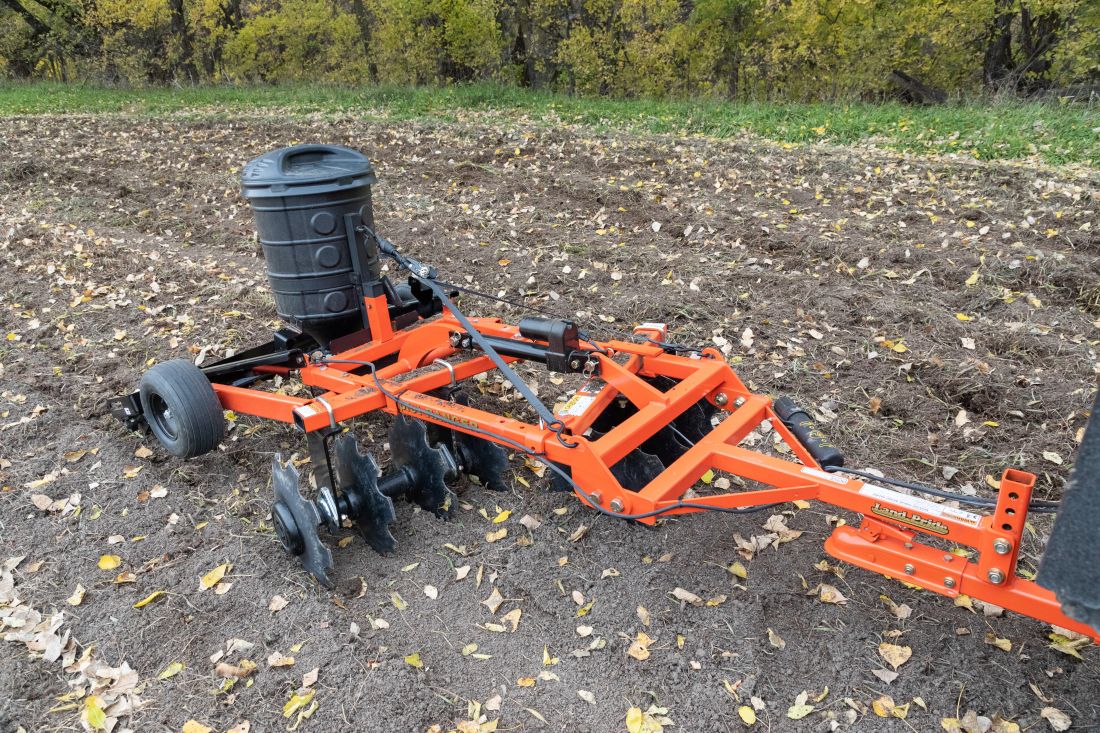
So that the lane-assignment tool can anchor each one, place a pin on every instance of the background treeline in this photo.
(755, 49)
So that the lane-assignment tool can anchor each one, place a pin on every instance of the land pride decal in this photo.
(915, 511)
(914, 519)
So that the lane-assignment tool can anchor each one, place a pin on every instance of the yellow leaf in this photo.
(963, 317)
(707, 477)
(171, 670)
(747, 715)
(502, 517)
(149, 599)
(526, 682)
(496, 536)
(634, 720)
(77, 597)
(297, 702)
(639, 648)
(738, 569)
(798, 712)
(413, 660)
(547, 660)
(194, 726)
(398, 602)
(894, 655)
(109, 562)
(93, 713)
(994, 640)
(214, 577)
(973, 279)
(469, 649)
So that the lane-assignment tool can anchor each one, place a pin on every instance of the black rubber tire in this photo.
(182, 409)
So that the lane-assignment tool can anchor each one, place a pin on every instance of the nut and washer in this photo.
(909, 569)
(1001, 546)
(595, 497)
(996, 576)
(721, 399)
(616, 505)
(949, 582)
(739, 401)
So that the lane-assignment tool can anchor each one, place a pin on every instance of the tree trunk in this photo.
(917, 90)
(997, 65)
(182, 34)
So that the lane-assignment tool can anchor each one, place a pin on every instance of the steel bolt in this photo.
(739, 401)
(1002, 546)
(996, 576)
(574, 363)
(908, 545)
(721, 399)
(949, 582)
(909, 569)
(948, 557)
(616, 505)
(595, 497)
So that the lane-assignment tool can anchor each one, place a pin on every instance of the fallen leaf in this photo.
(278, 603)
(829, 594)
(994, 640)
(1058, 720)
(298, 701)
(639, 648)
(885, 675)
(413, 660)
(194, 726)
(687, 596)
(776, 640)
(494, 601)
(94, 716)
(149, 599)
(109, 562)
(214, 577)
(747, 715)
(894, 654)
(496, 536)
(171, 670)
(587, 696)
(77, 597)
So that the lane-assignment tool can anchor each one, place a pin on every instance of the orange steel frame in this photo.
(885, 541)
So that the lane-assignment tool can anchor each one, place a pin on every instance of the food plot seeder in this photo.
(651, 418)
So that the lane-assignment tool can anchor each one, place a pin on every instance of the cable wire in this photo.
(1039, 506)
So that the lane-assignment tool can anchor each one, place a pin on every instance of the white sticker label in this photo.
(835, 478)
(578, 403)
(916, 512)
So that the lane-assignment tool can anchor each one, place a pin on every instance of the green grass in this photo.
(1056, 133)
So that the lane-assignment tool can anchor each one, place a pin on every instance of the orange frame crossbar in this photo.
(886, 540)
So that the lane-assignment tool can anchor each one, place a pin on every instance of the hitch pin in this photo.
(450, 368)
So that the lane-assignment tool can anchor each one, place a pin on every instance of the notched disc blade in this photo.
(374, 512)
(636, 469)
(667, 445)
(483, 458)
(409, 447)
(315, 557)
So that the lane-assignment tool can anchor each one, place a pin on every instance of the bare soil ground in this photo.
(940, 316)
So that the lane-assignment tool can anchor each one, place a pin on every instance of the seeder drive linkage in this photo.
(649, 421)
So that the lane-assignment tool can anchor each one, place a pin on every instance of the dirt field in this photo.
(940, 316)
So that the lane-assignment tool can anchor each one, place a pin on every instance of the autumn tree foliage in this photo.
(774, 49)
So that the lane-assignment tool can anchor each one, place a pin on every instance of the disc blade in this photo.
(482, 458)
(315, 557)
(409, 447)
(373, 512)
